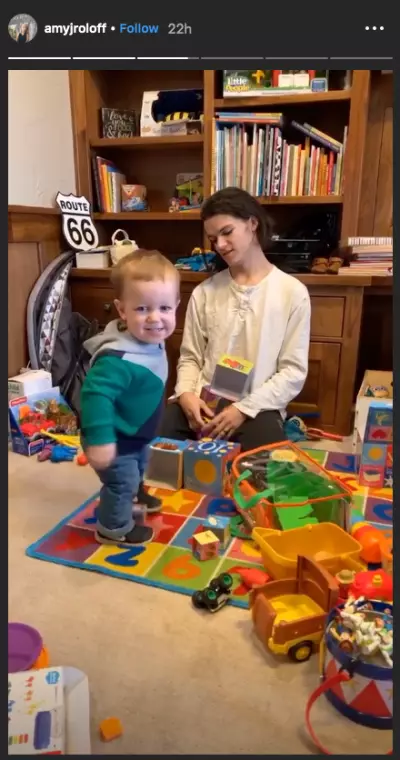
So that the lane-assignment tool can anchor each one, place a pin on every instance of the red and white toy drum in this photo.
(360, 690)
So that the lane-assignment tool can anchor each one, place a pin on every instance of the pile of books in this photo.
(370, 256)
(107, 183)
(250, 152)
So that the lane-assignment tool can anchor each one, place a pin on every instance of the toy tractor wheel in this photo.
(225, 581)
(210, 598)
(301, 652)
(198, 600)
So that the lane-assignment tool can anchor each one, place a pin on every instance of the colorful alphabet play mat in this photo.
(168, 562)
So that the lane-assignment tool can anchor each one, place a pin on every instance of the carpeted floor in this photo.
(181, 682)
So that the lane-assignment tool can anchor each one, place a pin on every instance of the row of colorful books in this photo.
(370, 256)
(250, 152)
(107, 184)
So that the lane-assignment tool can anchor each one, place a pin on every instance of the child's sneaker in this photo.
(151, 503)
(140, 534)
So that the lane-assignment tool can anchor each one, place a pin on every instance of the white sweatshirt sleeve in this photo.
(193, 345)
(292, 366)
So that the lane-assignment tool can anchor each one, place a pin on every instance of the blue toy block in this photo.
(165, 464)
(207, 466)
(220, 526)
(376, 456)
(379, 427)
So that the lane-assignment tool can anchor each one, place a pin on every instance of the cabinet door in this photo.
(320, 390)
(173, 347)
(93, 302)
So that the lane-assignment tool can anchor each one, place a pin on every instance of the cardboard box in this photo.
(26, 383)
(165, 464)
(376, 464)
(372, 378)
(29, 415)
(48, 712)
(232, 378)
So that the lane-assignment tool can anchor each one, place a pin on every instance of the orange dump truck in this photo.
(289, 615)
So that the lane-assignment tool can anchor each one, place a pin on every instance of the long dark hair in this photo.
(235, 202)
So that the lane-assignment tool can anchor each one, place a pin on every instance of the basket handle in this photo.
(117, 232)
(340, 677)
(253, 499)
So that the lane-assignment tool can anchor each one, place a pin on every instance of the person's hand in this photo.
(195, 409)
(100, 457)
(224, 424)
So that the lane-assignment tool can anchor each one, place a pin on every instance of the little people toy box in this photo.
(31, 416)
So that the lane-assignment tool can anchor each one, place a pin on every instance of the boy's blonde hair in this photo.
(145, 266)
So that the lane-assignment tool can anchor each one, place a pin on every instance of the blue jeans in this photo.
(120, 483)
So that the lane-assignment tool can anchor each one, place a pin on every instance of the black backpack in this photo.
(56, 334)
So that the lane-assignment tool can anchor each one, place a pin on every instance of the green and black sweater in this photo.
(122, 393)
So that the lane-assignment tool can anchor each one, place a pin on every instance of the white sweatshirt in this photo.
(268, 324)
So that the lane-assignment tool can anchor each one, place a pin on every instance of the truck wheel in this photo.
(224, 582)
(210, 598)
(301, 652)
(198, 600)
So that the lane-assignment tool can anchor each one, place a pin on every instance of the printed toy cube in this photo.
(232, 378)
(220, 526)
(205, 545)
(376, 466)
(211, 399)
(207, 466)
(165, 464)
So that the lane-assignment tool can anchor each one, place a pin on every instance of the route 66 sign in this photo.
(78, 228)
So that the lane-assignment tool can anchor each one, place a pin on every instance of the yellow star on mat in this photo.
(176, 501)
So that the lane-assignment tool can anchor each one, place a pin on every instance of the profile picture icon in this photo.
(22, 28)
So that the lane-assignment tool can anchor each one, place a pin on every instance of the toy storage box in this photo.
(281, 487)
(40, 411)
(376, 463)
(371, 378)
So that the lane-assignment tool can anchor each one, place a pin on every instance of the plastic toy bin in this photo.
(325, 543)
(281, 487)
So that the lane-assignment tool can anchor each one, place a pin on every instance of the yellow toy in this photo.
(72, 441)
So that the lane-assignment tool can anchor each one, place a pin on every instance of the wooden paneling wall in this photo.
(376, 206)
(34, 239)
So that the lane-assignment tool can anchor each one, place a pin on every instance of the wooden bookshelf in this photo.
(301, 200)
(277, 100)
(337, 302)
(155, 161)
(152, 216)
(148, 143)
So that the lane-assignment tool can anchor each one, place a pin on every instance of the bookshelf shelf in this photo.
(274, 100)
(148, 143)
(300, 200)
(150, 216)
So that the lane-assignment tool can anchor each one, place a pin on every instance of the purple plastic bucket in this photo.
(24, 647)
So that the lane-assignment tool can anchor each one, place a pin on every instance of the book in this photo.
(322, 140)
(260, 157)
(107, 181)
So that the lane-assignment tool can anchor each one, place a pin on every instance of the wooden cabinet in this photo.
(336, 308)
(319, 393)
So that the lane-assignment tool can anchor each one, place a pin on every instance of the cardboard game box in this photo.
(29, 415)
(247, 83)
(48, 712)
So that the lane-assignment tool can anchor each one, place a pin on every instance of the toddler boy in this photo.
(122, 394)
